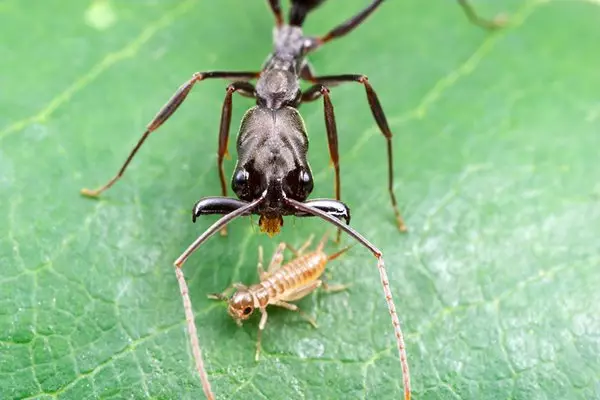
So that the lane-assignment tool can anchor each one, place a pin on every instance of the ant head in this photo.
(272, 147)
(241, 305)
(251, 180)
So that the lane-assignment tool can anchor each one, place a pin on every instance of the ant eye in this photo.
(241, 177)
(247, 310)
(306, 181)
(240, 182)
(299, 183)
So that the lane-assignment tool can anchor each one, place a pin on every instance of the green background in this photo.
(498, 176)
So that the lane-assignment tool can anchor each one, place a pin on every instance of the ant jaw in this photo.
(334, 208)
(216, 205)
(270, 225)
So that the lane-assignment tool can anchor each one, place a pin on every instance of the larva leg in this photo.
(261, 327)
(293, 307)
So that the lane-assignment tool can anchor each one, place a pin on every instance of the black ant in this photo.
(272, 142)
(272, 177)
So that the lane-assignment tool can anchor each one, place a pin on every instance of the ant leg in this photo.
(276, 9)
(165, 112)
(379, 116)
(344, 27)
(301, 8)
(385, 282)
(261, 328)
(497, 22)
(293, 307)
(245, 89)
(313, 93)
(306, 71)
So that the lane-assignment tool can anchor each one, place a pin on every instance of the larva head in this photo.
(241, 305)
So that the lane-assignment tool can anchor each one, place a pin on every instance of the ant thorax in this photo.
(288, 43)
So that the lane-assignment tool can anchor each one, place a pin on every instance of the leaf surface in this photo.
(497, 174)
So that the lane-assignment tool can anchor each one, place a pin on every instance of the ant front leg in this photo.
(276, 10)
(312, 94)
(319, 89)
(165, 112)
(300, 9)
(245, 89)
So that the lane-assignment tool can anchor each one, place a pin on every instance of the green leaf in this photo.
(497, 173)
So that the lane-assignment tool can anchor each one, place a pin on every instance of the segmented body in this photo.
(287, 280)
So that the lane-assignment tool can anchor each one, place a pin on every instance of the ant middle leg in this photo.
(165, 112)
(345, 27)
(317, 91)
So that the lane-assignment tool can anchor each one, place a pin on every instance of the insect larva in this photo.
(281, 284)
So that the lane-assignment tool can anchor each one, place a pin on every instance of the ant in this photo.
(272, 177)
(272, 173)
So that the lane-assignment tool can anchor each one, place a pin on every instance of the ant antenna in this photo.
(191, 325)
(383, 277)
(214, 228)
